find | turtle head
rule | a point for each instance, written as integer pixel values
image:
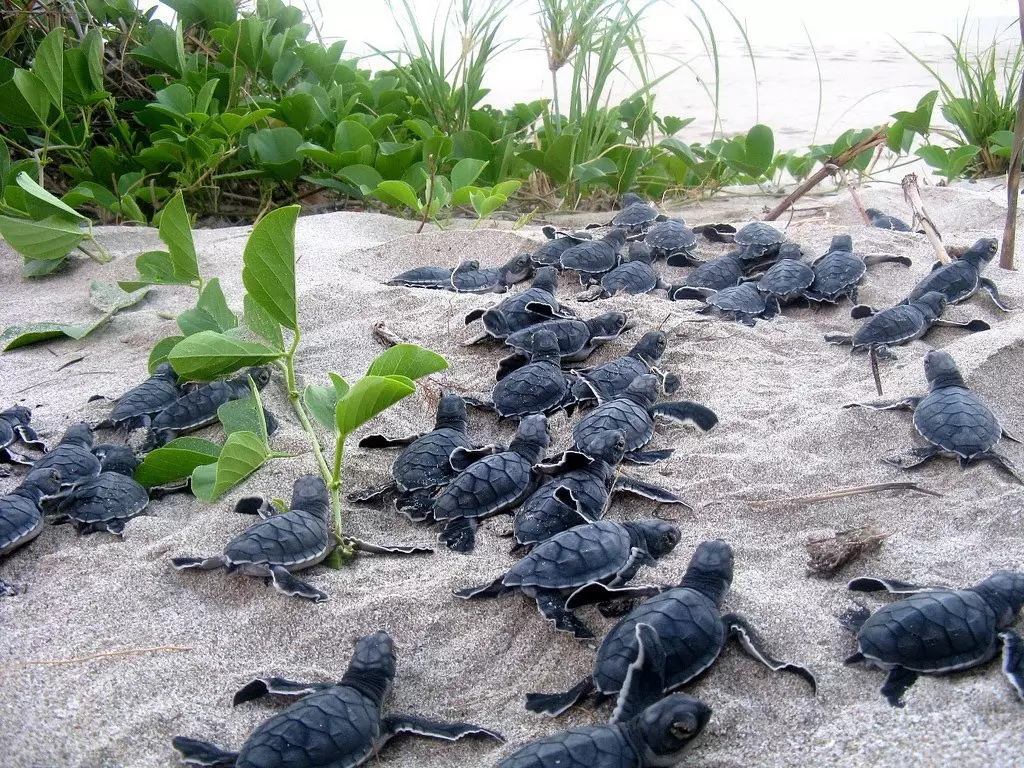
(166, 372)
(78, 434)
(659, 537)
(932, 304)
(651, 346)
(941, 371)
(628, 199)
(710, 570)
(372, 668)
(40, 483)
(607, 446)
(451, 413)
(1004, 592)
(117, 458)
(644, 390)
(544, 348)
(518, 268)
(468, 265)
(260, 376)
(841, 243)
(532, 438)
(616, 238)
(310, 495)
(546, 278)
(17, 415)
(608, 325)
(666, 729)
(981, 253)
(790, 251)
(873, 213)
(639, 251)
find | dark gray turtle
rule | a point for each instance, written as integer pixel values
(839, 271)
(595, 257)
(635, 214)
(577, 339)
(335, 725)
(280, 544)
(521, 310)
(633, 412)
(743, 302)
(438, 278)
(632, 277)
(667, 641)
(136, 407)
(21, 519)
(540, 386)
(15, 430)
(673, 240)
(884, 221)
(658, 736)
(716, 274)
(424, 466)
(491, 485)
(786, 280)
(603, 553)
(962, 278)
(198, 408)
(580, 490)
(73, 456)
(758, 240)
(468, 277)
(901, 324)
(109, 500)
(937, 630)
(549, 254)
(950, 417)
(608, 381)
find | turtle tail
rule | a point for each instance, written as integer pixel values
(195, 752)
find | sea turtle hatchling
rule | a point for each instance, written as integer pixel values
(437, 278)
(743, 303)
(635, 214)
(468, 277)
(577, 339)
(672, 240)
(15, 430)
(109, 500)
(951, 418)
(885, 221)
(137, 407)
(716, 274)
(340, 725)
(961, 279)
(758, 240)
(658, 736)
(609, 380)
(632, 277)
(937, 630)
(491, 485)
(633, 412)
(593, 258)
(21, 519)
(549, 253)
(667, 641)
(521, 310)
(786, 280)
(283, 543)
(73, 456)
(604, 552)
(839, 271)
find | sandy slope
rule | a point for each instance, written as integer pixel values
(777, 389)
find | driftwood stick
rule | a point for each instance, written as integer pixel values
(841, 493)
(829, 167)
(1013, 177)
(859, 204)
(912, 194)
(104, 655)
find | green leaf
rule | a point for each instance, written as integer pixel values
(323, 401)
(175, 461)
(108, 298)
(33, 91)
(242, 416)
(485, 205)
(5, 165)
(466, 171)
(268, 271)
(364, 177)
(277, 149)
(262, 324)
(472, 144)
(51, 239)
(408, 360)
(211, 312)
(39, 267)
(209, 355)
(42, 204)
(593, 170)
(400, 191)
(351, 136)
(368, 397)
(157, 268)
(161, 350)
(176, 233)
(243, 453)
(49, 66)
(32, 333)
(759, 149)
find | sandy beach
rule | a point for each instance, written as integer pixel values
(110, 652)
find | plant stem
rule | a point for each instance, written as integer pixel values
(1013, 177)
(335, 483)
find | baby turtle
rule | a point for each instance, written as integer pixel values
(595, 257)
(283, 543)
(491, 485)
(608, 381)
(758, 240)
(884, 221)
(603, 552)
(743, 302)
(838, 273)
(633, 412)
(521, 310)
(723, 272)
(549, 254)
(109, 500)
(540, 386)
(786, 280)
(438, 278)
(657, 736)
(635, 214)
(950, 417)
(667, 641)
(136, 407)
(198, 408)
(961, 279)
(15, 429)
(340, 724)
(20, 517)
(73, 456)
(673, 240)
(468, 277)
(580, 491)
(901, 324)
(633, 277)
(577, 339)
(936, 630)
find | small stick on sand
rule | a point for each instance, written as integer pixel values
(841, 493)
(829, 554)
(104, 655)
(386, 336)
(912, 194)
(1013, 177)
(873, 354)
(859, 204)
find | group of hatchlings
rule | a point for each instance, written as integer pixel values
(573, 555)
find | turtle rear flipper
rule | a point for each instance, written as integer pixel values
(459, 535)
(686, 412)
(853, 618)
(552, 606)
(649, 457)
(386, 549)
(276, 686)
(196, 752)
(554, 704)
(202, 563)
(989, 287)
(476, 402)
(382, 441)
(495, 589)
(656, 493)
(1013, 660)
(1002, 462)
(896, 684)
(686, 292)
(394, 725)
(416, 505)
(645, 677)
(737, 627)
(371, 493)
(285, 582)
(876, 584)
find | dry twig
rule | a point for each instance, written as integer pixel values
(912, 194)
(103, 655)
(1013, 177)
(828, 555)
(841, 493)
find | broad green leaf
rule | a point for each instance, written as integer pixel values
(209, 355)
(390, 191)
(51, 239)
(5, 165)
(759, 148)
(242, 416)
(161, 350)
(484, 206)
(268, 270)
(39, 267)
(32, 333)
(174, 101)
(368, 397)
(34, 92)
(277, 150)
(243, 453)
(351, 136)
(506, 188)
(466, 171)
(365, 177)
(176, 232)
(211, 312)
(175, 461)
(42, 204)
(472, 144)
(108, 298)
(156, 267)
(262, 324)
(323, 401)
(593, 170)
(407, 360)
(49, 66)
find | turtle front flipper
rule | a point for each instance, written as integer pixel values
(276, 686)
(649, 457)
(972, 326)
(686, 412)
(838, 338)
(885, 258)
(511, 363)
(1002, 462)
(861, 311)
(595, 592)
(876, 584)
(382, 441)
(459, 535)
(915, 457)
(896, 684)
(476, 402)
(7, 589)
(386, 549)
(650, 491)
(552, 606)
(645, 677)
(989, 287)
(554, 704)
(495, 589)
(737, 627)
(393, 725)
(255, 505)
(202, 563)
(196, 752)
(371, 493)
(284, 581)
(462, 457)
(1013, 660)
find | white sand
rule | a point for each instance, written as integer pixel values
(777, 389)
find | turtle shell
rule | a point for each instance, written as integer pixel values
(549, 254)
(585, 553)
(589, 746)
(592, 257)
(514, 314)
(74, 462)
(931, 632)
(633, 277)
(424, 463)
(486, 487)
(630, 418)
(743, 299)
(716, 274)
(614, 377)
(787, 279)
(894, 325)
(104, 499)
(199, 407)
(543, 515)
(635, 216)
(147, 399)
(836, 274)
(572, 335)
(668, 237)
(476, 280)
(956, 281)
(538, 387)
(7, 435)
(20, 522)
(956, 420)
(760, 234)
(691, 632)
(296, 539)
(424, 277)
